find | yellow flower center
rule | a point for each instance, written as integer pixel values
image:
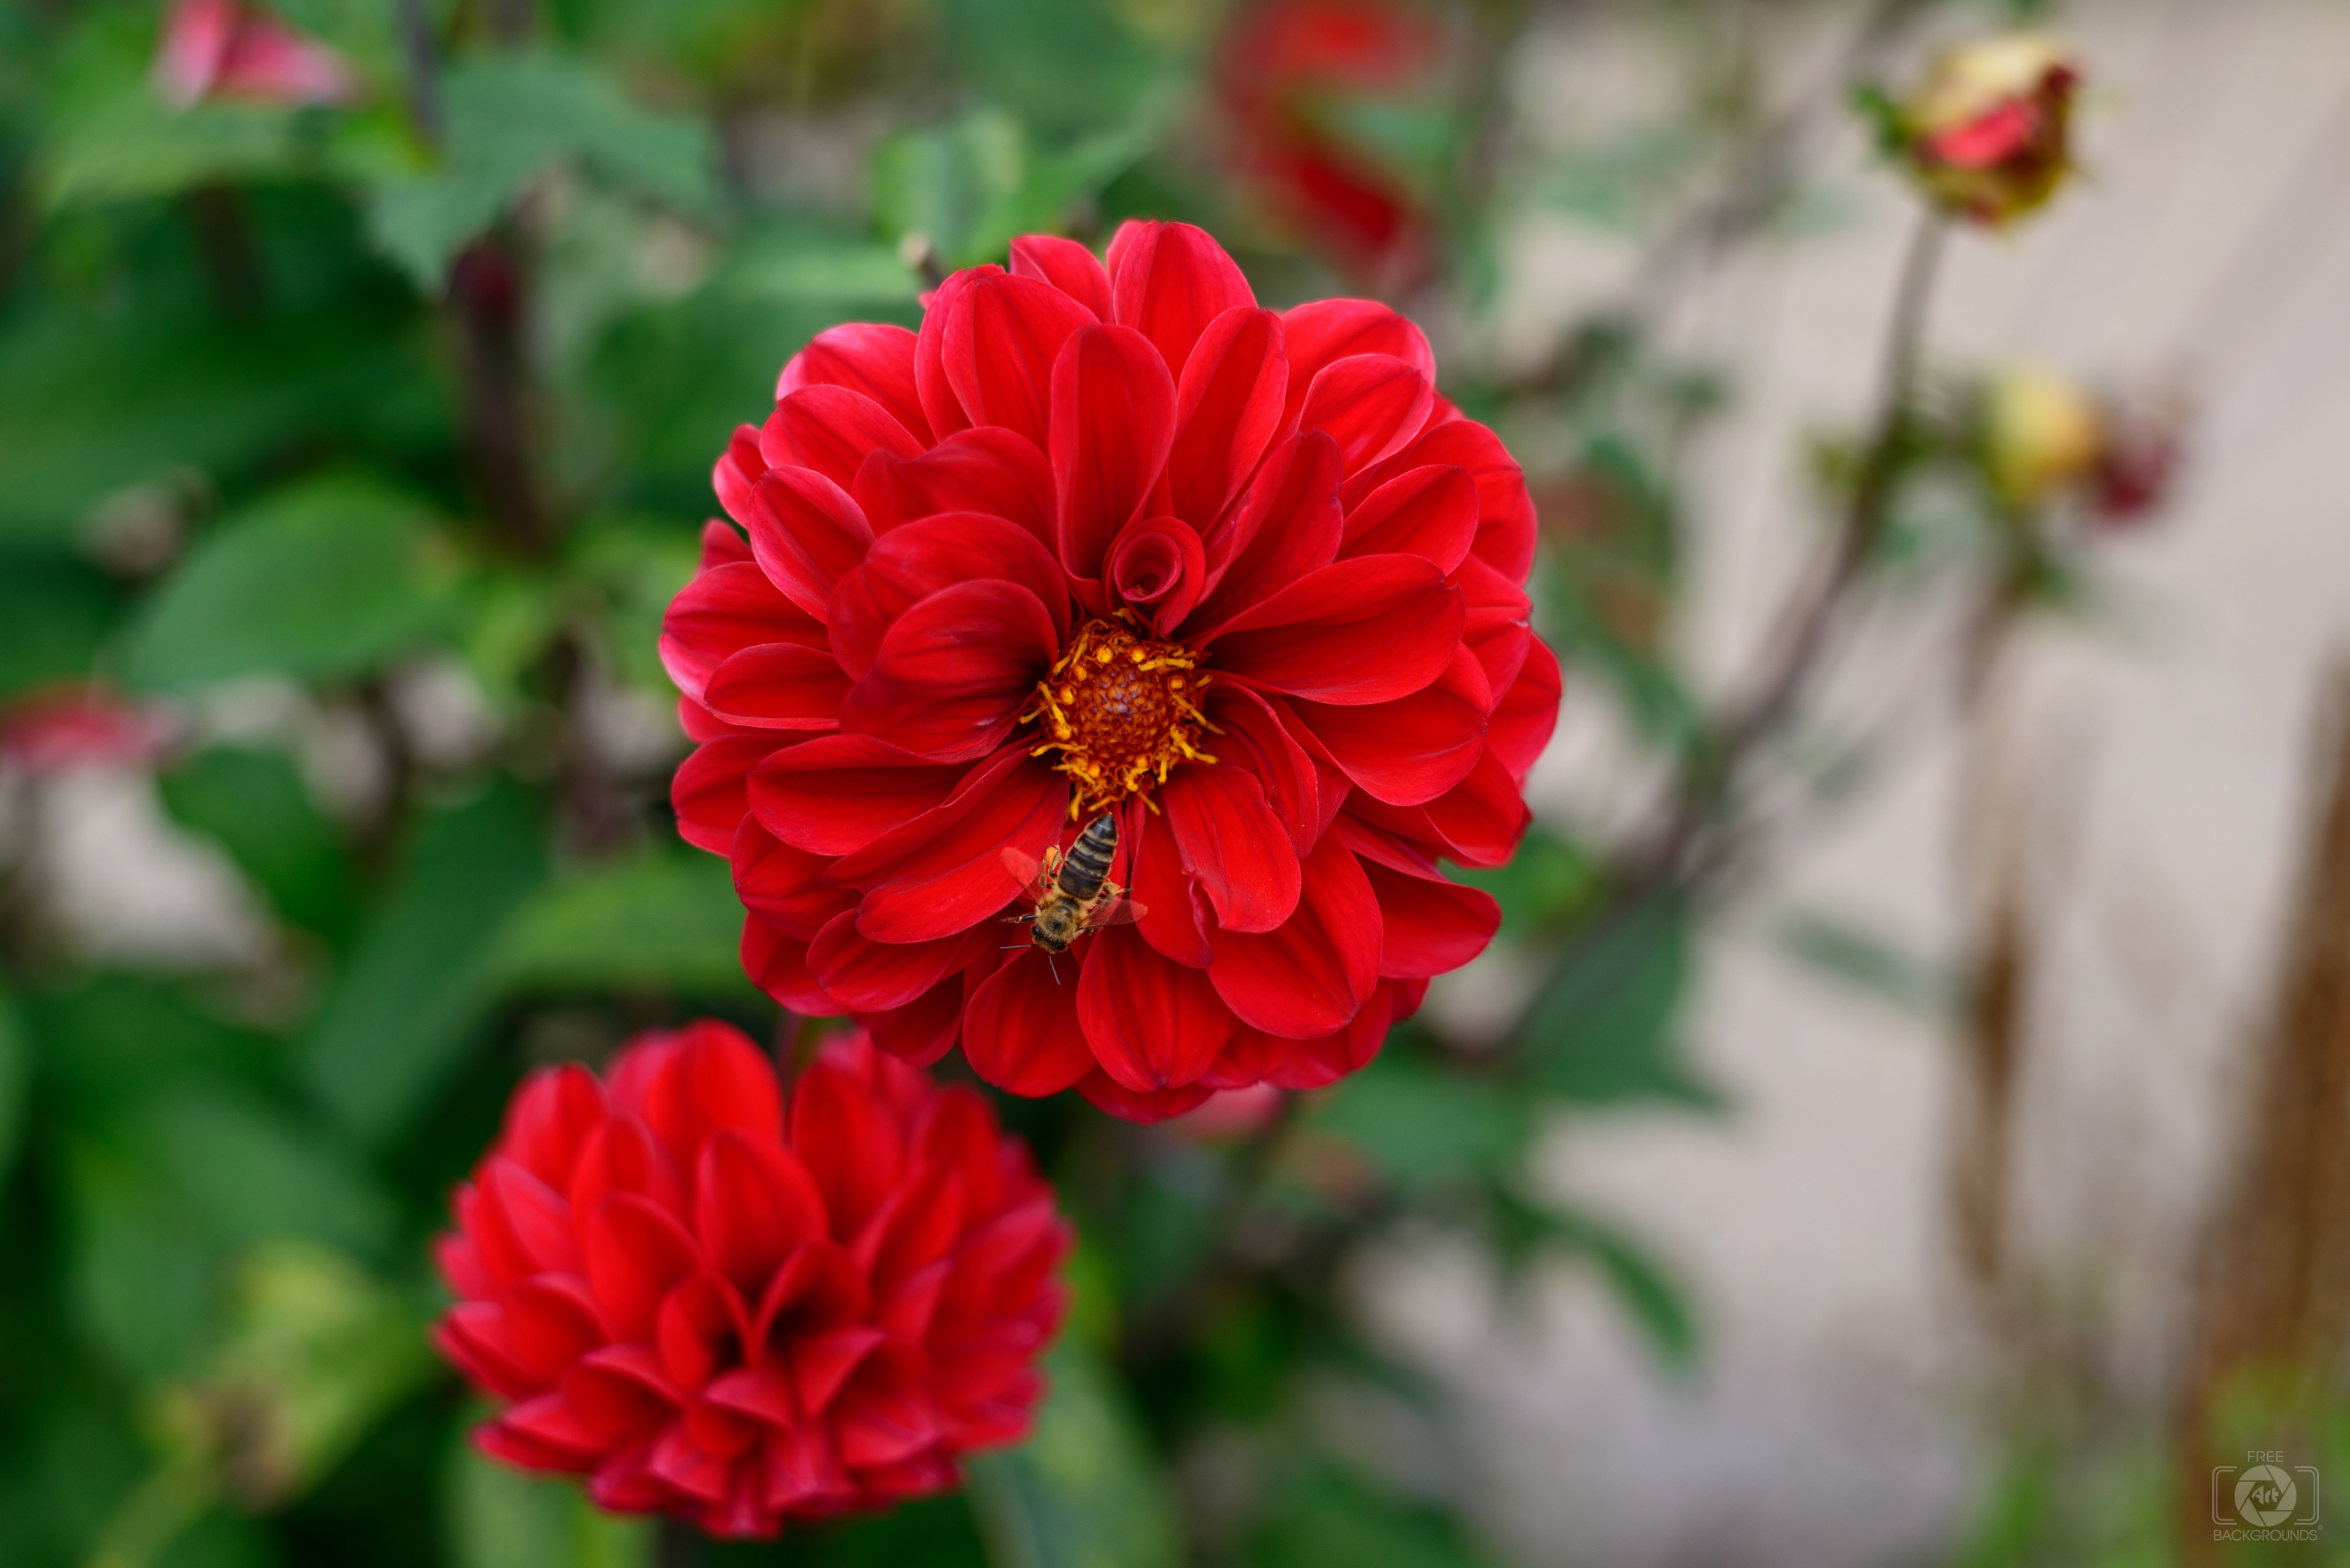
(1122, 710)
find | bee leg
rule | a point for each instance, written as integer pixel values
(1054, 967)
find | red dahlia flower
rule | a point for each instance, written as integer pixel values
(716, 1306)
(1115, 541)
(1287, 71)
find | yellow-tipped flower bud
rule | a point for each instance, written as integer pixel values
(1988, 134)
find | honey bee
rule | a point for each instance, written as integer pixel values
(1073, 893)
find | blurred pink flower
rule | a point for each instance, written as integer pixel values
(217, 49)
(51, 730)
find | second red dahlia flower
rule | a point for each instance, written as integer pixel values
(716, 1306)
(1113, 539)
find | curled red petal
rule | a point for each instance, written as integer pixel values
(1370, 404)
(830, 429)
(1153, 1023)
(1413, 748)
(1227, 408)
(943, 871)
(912, 562)
(779, 686)
(922, 1029)
(1067, 266)
(1505, 514)
(1156, 567)
(1323, 331)
(1168, 281)
(1106, 1093)
(990, 469)
(1312, 974)
(1173, 921)
(783, 884)
(1002, 341)
(1234, 844)
(941, 406)
(1253, 736)
(872, 358)
(777, 964)
(1113, 421)
(806, 532)
(866, 976)
(1367, 630)
(710, 792)
(1429, 511)
(1527, 713)
(1021, 1031)
(754, 1202)
(953, 671)
(838, 793)
(1286, 525)
(722, 611)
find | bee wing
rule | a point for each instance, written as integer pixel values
(1118, 911)
(1025, 869)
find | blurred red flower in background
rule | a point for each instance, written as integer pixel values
(72, 726)
(1987, 135)
(717, 1305)
(1283, 72)
(213, 49)
(1115, 540)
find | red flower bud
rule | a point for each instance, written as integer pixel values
(1988, 136)
(222, 49)
(718, 1305)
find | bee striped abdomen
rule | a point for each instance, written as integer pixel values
(1089, 858)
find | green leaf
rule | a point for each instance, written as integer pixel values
(499, 1517)
(808, 266)
(1601, 1027)
(510, 117)
(142, 1264)
(249, 1172)
(92, 403)
(400, 1016)
(1644, 1286)
(1330, 1520)
(973, 185)
(255, 805)
(135, 145)
(57, 612)
(1544, 882)
(16, 1079)
(1084, 1490)
(662, 921)
(330, 579)
(1072, 65)
(1419, 1123)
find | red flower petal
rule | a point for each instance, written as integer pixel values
(1433, 925)
(1234, 844)
(1523, 721)
(806, 532)
(991, 469)
(865, 357)
(1371, 404)
(1227, 407)
(779, 686)
(1315, 1064)
(840, 793)
(874, 977)
(1477, 822)
(1002, 341)
(1285, 527)
(924, 1029)
(1105, 1093)
(1021, 1032)
(830, 429)
(910, 563)
(1153, 1023)
(1113, 420)
(635, 1252)
(1158, 563)
(1255, 738)
(1168, 281)
(943, 871)
(722, 611)
(1322, 332)
(1067, 266)
(1174, 914)
(1367, 630)
(753, 1203)
(847, 1138)
(723, 544)
(708, 1078)
(939, 405)
(777, 964)
(1506, 515)
(784, 885)
(952, 674)
(708, 793)
(1413, 749)
(738, 469)
(1429, 511)
(1314, 974)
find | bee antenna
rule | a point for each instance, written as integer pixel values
(1054, 967)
